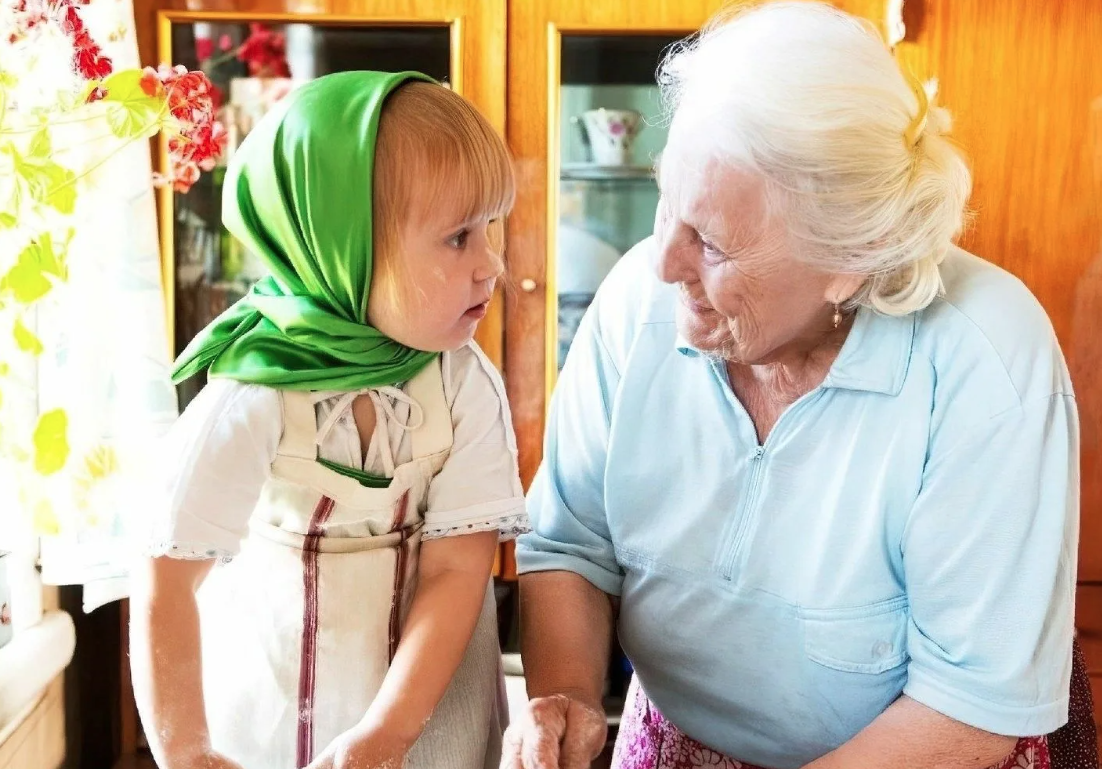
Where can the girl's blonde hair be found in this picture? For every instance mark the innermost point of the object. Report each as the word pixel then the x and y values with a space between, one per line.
pixel 858 161
pixel 434 151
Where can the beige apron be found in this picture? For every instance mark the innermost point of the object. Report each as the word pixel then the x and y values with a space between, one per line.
pixel 299 629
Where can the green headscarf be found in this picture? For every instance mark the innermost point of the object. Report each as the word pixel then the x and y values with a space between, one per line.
pixel 298 194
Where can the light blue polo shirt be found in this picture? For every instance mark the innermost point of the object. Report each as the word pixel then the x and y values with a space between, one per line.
pixel 910 526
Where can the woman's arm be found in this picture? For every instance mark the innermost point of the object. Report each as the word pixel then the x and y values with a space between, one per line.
pixel 166 661
pixel 907 732
pixel 566 634
pixel 451 586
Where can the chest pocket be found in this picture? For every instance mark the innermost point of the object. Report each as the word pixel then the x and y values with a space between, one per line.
pixel 870 639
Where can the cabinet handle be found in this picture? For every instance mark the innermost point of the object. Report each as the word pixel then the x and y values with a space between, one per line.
pixel 528 285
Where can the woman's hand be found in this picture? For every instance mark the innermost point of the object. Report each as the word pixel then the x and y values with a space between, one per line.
pixel 556 732
pixel 363 748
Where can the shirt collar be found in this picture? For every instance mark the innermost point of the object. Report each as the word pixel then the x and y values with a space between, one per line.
pixel 875 355
pixel 874 358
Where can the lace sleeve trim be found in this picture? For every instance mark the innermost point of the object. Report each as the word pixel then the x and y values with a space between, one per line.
pixel 508 528
pixel 188 551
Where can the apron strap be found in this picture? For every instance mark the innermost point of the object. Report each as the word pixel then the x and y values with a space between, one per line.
pixel 300 426
pixel 434 434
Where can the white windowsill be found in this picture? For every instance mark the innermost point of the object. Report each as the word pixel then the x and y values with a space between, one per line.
pixel 30 662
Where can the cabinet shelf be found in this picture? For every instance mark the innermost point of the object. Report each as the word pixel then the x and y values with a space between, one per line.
pixel 592 172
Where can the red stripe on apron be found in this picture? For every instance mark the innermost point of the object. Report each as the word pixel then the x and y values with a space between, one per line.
pixel 399 574
pixel 309 656
pixel 396 600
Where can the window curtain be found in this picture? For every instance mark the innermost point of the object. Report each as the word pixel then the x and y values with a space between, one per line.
pixel 108 361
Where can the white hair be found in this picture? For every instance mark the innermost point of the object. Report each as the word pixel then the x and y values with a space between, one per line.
pixel 812 99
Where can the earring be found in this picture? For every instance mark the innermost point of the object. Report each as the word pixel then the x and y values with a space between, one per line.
pixel 837 315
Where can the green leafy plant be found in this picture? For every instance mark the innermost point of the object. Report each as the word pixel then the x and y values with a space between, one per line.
pixel 57 86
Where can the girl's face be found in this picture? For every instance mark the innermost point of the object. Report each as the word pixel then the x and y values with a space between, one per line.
pixel 434 288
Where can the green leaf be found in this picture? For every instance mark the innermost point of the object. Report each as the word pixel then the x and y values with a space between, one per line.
pixel 7 221
pixel 40 145
pixel 63 194
pixel 131 112
pixel 51 442
pixel 46 182
pixel 26 340
pixel 51 259
pixel 26 281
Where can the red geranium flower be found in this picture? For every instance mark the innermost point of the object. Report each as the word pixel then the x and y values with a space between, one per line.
pixel 265 52
pixel 90 61
pixel 204 48
pixel 199 139
pixel 88 58
pixel 184 175
pixel 150 83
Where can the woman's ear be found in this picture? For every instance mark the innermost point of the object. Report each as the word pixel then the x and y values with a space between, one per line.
pixel 841 287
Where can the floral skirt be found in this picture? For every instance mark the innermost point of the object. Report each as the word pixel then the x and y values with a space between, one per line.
pixel 648 741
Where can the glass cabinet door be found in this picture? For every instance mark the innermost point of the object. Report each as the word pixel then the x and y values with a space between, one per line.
pixel 255 60
pixel 611 130
pixel 585 126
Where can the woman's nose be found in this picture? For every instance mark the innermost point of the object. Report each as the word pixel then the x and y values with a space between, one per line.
pixel 675 259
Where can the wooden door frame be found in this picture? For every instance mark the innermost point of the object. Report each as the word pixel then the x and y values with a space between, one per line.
pixel 476 71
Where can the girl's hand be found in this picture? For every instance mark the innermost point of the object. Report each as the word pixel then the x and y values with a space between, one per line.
pixel 363 748
pixel 206 760
pixel 218 761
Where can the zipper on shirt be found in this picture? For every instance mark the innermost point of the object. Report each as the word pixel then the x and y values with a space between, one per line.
pixel 753 485
pixel 747 514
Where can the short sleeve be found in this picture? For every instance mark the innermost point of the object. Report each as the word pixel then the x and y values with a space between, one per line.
pixel 478 489
pixel 566 501
pixel 989 556
pixel 211 469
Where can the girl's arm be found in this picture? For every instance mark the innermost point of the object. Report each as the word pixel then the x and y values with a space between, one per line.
pixel 166 663
pixel 452 576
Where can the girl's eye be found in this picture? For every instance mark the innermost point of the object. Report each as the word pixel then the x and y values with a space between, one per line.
pixel 459 240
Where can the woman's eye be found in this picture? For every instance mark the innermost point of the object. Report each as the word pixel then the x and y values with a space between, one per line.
pixel 711 249
pixel 459 240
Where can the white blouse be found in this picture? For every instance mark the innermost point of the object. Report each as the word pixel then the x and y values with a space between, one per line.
pixel 218 456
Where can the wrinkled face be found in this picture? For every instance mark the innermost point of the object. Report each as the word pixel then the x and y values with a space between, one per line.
pixel 744 296
pixel 432 293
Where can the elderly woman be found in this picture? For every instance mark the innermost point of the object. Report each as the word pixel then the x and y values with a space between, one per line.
pixel 817 464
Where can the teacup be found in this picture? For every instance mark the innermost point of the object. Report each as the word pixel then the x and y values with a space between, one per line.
pixel 611 134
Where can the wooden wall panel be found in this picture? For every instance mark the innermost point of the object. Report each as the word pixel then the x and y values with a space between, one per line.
pixel 1024 83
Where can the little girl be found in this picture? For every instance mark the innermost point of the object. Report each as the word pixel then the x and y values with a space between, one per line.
pixel 351 465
